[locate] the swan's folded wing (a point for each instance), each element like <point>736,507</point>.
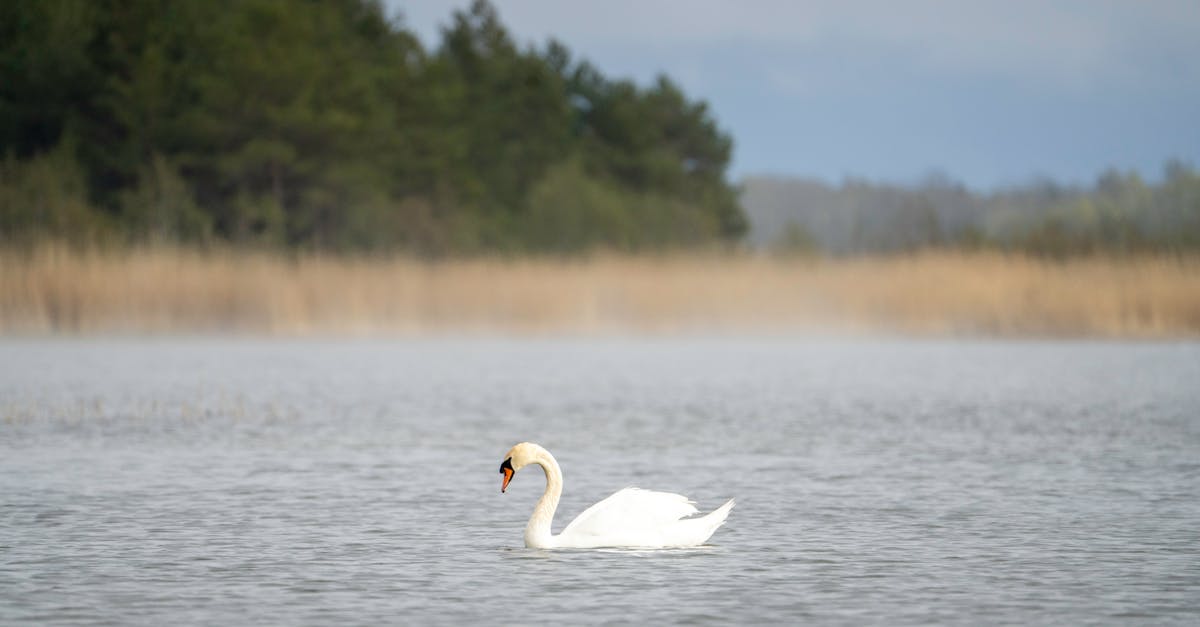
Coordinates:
<point>631,508</point>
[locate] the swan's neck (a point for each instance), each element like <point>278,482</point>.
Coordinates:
<point>537,532</point>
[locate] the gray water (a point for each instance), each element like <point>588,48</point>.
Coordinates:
<point>353,482</point>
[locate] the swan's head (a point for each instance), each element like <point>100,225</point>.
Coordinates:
<point>517,458</point>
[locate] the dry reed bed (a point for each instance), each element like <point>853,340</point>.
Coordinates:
<point>164,290</point>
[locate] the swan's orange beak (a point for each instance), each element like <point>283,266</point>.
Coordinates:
<point>506,469</point>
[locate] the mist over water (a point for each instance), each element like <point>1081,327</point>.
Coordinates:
<point>878,481</point>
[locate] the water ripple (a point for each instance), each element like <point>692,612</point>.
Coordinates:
<point>894,482</point>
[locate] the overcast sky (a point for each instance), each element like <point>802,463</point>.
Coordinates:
<point>987,92</point>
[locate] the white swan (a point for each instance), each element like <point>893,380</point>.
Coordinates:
<point>630,518</point>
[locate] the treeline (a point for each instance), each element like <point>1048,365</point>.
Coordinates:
<point>328,126</point>
<point>1120,214</point>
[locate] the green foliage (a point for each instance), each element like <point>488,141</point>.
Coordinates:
<point>47,74</point>
<point>1122,215</point>
<point>326,125</point>
<point>161,208</point>
<point>570,210</point>
<point>45,196</point>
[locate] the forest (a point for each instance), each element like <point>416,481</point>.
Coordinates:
<point>1119,214</point>
<point>327,126</point>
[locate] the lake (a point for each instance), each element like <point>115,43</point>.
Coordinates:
<point>879,481</point>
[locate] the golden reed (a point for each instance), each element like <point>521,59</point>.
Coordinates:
<point>57,290</point>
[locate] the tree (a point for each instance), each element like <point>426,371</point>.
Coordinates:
<point>327,125</point>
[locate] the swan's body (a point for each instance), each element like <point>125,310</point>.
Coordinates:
<point>630,518</point>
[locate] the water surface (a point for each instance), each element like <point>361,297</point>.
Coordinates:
<point>199,481</point>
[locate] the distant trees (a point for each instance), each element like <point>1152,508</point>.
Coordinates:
<point>326,125</point>
<point>1120,214</point>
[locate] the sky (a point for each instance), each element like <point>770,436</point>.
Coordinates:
<point>990,93</point>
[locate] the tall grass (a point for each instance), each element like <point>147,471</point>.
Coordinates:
<point>55,289</point>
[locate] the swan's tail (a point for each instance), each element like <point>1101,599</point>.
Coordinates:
<point>702,528</point>
<point>718,516</point>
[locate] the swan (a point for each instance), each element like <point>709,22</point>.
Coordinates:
<point>630,518</point>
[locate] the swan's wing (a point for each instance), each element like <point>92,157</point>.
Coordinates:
<point>630,509</point>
